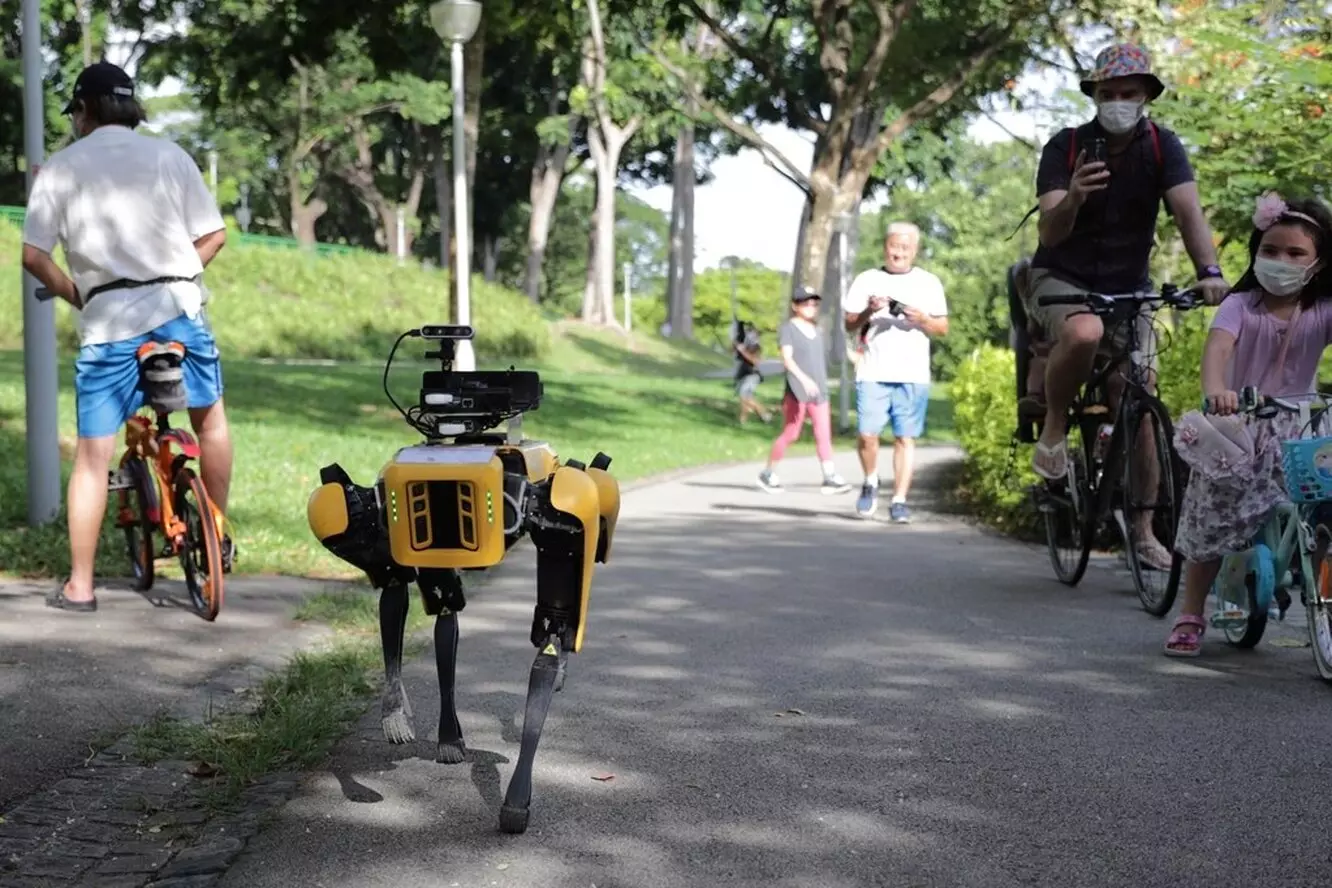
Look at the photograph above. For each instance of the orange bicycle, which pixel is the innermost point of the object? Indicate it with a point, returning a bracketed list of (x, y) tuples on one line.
[(159, 491)]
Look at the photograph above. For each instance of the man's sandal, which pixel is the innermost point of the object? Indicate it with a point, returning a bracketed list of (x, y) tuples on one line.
[(1153, 554), (60, 601), (1186, 637), (1057, 457)]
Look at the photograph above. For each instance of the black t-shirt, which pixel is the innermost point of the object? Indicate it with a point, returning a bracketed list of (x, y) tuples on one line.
[(1111, 243)]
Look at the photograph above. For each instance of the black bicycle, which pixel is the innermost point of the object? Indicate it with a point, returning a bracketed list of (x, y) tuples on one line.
[(1103, 479)]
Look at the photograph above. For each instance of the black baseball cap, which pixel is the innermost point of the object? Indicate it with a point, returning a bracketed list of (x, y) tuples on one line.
[(101, 79), (805, 294)]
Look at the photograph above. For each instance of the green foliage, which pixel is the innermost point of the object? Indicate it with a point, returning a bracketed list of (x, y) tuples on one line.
[(985, 415), (1249, 91), (1179, 360)]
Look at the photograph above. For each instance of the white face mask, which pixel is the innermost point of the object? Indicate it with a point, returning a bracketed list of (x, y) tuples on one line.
[(1281, 278), (1119, 117)]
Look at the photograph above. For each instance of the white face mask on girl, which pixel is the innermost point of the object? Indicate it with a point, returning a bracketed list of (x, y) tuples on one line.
[(1119, 117), (1282, 278)]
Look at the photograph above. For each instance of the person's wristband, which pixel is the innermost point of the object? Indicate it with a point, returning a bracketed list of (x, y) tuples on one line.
[(1211, 271)]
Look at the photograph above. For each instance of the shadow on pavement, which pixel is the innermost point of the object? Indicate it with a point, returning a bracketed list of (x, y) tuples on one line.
[(784, 702)]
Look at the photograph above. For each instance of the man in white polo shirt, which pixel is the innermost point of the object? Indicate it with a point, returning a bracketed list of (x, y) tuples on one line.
[(137, 225), (893, 311)]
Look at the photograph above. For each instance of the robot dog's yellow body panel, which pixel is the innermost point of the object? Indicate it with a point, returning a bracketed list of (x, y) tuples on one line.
[(443, 506)]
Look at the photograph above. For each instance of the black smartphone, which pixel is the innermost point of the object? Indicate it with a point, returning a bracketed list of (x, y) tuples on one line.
[(1096, 151)]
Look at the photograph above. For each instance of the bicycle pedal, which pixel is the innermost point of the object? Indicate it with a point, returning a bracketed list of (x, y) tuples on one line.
[(118, 481), (1229, 620)]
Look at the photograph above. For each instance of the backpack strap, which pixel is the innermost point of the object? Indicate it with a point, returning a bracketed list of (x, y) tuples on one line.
[(1072, 156)]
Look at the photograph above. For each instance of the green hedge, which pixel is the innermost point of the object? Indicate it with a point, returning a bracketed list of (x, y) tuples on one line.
[(985, 416)]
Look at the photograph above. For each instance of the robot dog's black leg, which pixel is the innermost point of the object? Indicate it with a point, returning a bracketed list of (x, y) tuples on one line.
[(540, 688), (442, 594), (395, 710), (558, 585), (451, 750)]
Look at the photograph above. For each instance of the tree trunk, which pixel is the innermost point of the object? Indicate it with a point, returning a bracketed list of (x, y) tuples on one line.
[(675, 247), (490, 261), (590, 302), (681, 271), (606, 237), (606, 139), (304, 213), (547, 176), (599, 297), (841, 167)]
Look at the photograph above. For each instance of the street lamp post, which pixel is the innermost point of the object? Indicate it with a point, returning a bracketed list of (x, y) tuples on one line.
[(39, 338), (455, 21)]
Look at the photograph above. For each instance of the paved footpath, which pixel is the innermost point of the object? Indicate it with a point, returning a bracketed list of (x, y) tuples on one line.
[(789, 696), (71, 684), (785, 696)]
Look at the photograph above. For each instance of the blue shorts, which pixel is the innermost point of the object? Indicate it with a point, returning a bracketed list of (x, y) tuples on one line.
[(106, 375), (905, 403)]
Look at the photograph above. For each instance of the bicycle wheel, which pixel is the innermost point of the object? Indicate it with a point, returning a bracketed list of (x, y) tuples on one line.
[(1156, 588), (135, 518), (1066, 507), (1261, 573), (201, 553), (1318, 603)]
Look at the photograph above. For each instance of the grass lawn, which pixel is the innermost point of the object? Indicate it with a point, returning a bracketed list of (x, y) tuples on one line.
[(643, 404)]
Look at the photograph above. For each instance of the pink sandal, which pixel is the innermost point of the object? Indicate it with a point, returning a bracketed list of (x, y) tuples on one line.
[(1186, 637)]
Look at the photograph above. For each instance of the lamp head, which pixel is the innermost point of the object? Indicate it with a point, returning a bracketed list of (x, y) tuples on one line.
[(455, 21)]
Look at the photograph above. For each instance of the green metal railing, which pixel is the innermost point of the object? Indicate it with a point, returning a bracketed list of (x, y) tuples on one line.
[(15, 215)]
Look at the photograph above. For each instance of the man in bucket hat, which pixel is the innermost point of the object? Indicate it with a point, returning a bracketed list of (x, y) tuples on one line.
[(1100, 187)]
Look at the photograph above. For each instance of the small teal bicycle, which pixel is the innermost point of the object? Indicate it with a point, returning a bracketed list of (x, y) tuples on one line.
[(1290, 552)]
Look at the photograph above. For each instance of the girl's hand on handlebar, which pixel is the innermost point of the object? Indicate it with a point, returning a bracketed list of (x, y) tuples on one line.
[(1087, 178), (1214, 290), (1223, 403)]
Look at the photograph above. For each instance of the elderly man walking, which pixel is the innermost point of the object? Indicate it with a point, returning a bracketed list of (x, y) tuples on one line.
[(894, 311)]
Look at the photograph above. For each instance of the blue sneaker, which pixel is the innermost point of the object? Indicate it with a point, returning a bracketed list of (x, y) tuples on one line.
[(898, 513), (868, 503)]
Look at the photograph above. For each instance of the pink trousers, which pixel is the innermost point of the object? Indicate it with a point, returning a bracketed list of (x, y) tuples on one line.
[(793, 415)]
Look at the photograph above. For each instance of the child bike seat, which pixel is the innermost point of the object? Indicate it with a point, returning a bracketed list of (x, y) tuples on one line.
[(162, 376)]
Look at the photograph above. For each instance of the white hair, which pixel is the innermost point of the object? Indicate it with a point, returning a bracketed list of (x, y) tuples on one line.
[(906, 228)]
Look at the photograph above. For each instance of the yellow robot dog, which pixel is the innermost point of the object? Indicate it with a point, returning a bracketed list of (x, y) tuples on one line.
[(459, 501)]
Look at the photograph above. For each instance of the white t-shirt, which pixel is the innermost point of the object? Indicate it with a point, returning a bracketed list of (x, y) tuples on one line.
[(897, 350), (124, 206)]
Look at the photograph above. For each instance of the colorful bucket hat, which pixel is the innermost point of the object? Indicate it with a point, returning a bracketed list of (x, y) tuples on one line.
[(1123, 60)]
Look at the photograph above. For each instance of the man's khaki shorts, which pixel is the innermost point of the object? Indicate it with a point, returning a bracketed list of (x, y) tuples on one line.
[(1050, 318)]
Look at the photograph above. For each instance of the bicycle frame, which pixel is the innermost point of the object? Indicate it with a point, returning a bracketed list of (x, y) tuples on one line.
[(149, 442), (1286, 527), (1117, 449)]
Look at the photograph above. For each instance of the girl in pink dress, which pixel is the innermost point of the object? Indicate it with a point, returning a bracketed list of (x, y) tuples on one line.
[(1270, 332)]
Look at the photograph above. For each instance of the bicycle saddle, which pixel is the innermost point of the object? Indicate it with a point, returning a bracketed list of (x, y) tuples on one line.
[(162, 375)]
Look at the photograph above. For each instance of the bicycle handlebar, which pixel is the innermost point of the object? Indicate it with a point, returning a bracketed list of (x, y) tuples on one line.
[(1262, 406), (1100, 303)]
